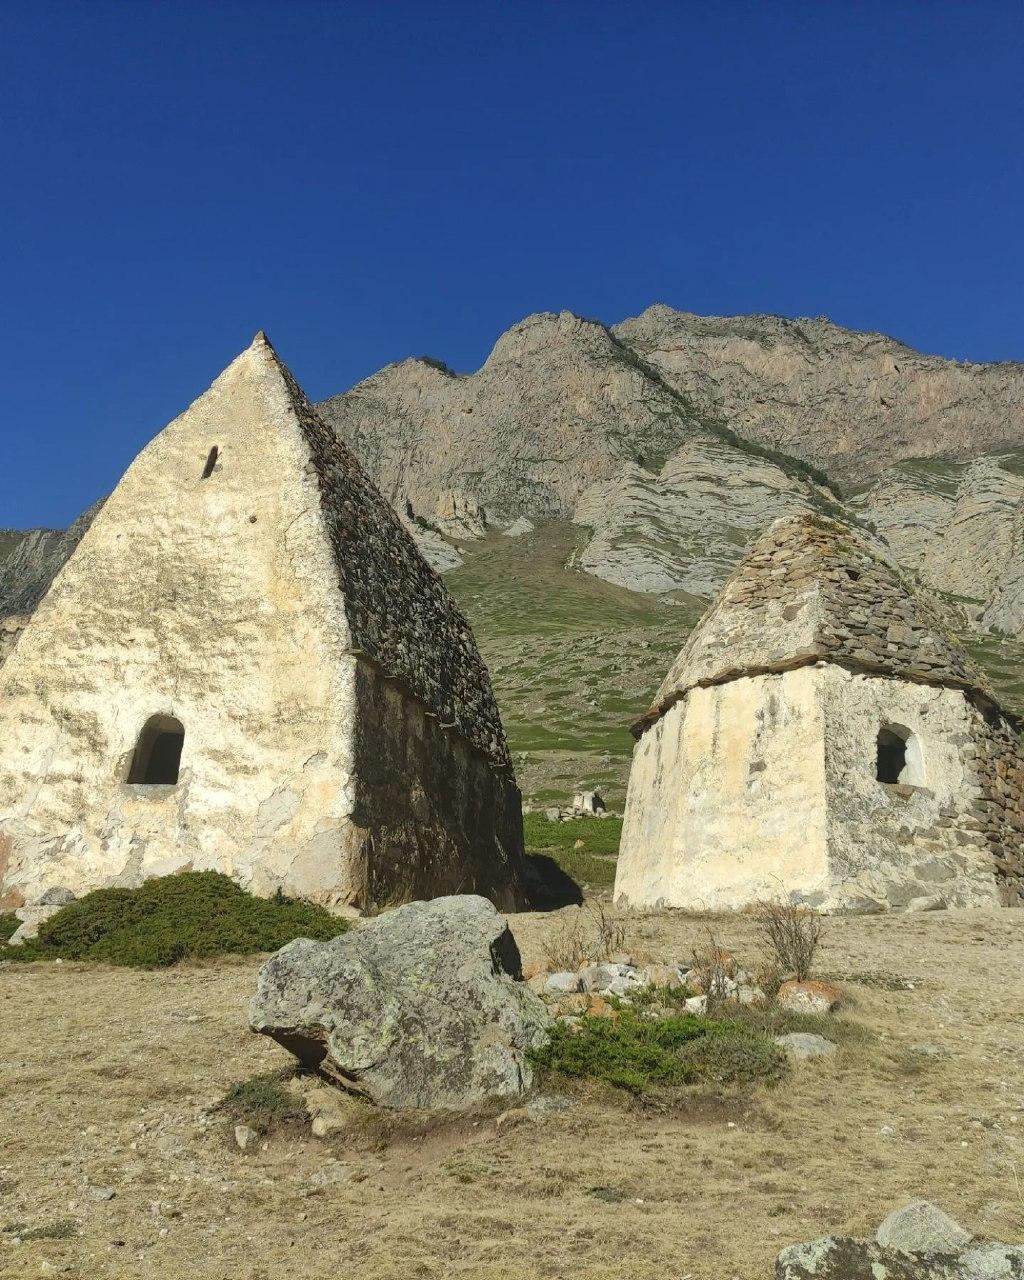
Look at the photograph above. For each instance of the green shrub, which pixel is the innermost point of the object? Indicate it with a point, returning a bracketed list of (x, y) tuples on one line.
[(641, 1053), (189, 915), (8, 923), (265, 1103)]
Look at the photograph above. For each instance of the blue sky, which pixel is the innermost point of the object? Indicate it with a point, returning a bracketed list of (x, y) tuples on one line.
[(372, 181)]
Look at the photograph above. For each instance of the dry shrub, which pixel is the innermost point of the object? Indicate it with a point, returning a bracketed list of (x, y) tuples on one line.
[(610, 934), (589, 933), (713, 965), (789, 934), (569, 946)]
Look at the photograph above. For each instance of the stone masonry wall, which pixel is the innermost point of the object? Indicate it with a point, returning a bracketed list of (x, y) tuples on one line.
[(999, 813), (808, 591), (401, 616)]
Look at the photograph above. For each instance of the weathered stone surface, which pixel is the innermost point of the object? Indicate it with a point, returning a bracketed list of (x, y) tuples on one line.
[(247, 582), (811, 996), (921, 1227), (805, 1044), (421, 1007), (756, 769), (844, 1258), (815, 389)]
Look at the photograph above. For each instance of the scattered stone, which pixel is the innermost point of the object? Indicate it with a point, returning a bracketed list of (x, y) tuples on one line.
[(563, 983), (102, 1193), (58, 896), (925, 1049), (612, 979), (803, 1045), (811, 996), (921, 1227), (697, 1005), (917, 1242), (588, 802), (553, 815), (421, 1007), (245, 1137), (663, 975), (930, 902), (518, 527)]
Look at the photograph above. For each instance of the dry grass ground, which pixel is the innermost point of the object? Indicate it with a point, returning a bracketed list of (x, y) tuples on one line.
[(108, 1077)]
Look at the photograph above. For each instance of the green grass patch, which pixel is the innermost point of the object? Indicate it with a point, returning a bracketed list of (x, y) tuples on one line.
[(642, 1054), (265, 1103), (594, 864), (187, 916)]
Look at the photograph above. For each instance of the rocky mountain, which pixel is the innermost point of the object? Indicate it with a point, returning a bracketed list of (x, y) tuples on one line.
[(850, 403), (674, 438), (32, 561)]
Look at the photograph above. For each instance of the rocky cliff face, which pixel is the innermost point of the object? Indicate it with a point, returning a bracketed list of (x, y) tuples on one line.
[(675, 438), (851, 403), (33, 560)]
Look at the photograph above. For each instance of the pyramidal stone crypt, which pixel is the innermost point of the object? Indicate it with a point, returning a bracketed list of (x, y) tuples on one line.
[(246, 665)]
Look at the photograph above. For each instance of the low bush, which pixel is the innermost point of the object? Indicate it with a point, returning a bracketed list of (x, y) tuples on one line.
[(790, 935), (265, 1103), (187, 916), (641, 1053), (8, 924)]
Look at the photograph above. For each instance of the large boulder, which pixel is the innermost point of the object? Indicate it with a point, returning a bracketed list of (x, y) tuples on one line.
[(424, 1006)]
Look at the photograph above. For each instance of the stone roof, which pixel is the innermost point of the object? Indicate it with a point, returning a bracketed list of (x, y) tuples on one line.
[(401, 616), (809, 590)]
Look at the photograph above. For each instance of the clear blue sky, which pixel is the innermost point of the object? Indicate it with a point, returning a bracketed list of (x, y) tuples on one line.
[(371, 181)]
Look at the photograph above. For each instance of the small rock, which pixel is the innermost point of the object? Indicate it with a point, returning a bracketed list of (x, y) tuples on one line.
[(622, 957), (750, 995), (550, 1104), (697, 1005), (612, 979), (809, 997), (803, 1044), (921, 1227), (102, 1193), (58, 896), (931, 902), (663, 975), (925, 1049), (563, 983), (553, 815), (245, 1137)]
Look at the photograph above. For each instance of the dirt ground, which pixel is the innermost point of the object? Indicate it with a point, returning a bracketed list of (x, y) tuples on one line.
[(108, 1077)]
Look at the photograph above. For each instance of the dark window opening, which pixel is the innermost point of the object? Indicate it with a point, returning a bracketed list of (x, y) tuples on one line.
[(211, 462), (899, 757), (157, 757)]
